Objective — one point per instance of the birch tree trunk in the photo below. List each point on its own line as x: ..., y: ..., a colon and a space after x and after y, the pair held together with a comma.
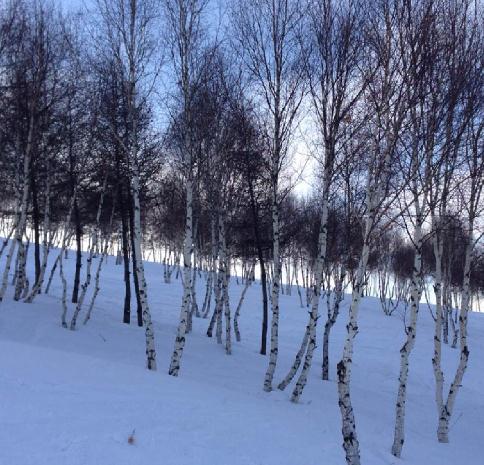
x: 445, y: 309
x: 248, y: 282
x: 19, y: 232
x: 208, y: 295
x: 296, y: 278
x: 64, y: 291
x: 187, y: 281
x: 215, y: 275
x: 21, y: 272
x: 316, y: 293
x: 139, y: 270
x: 6, y: 240
x: 36, y: 289
x: 97, y: 287
x: 65, y: 240
x: 139, y: 306
x: 213, y: 319
x: 195, y: 309
x: 411, y: 330
x: 223, y: 272
x: 90, y: 257
x: 274, y: 350
x: 332, y: 317
x: 297, y: 361
x: 119, y: 257
x: 446, y: 409
x: 99, y: 268
x: 221, y: 297
x: 51, y: 275
x: 350, y: 439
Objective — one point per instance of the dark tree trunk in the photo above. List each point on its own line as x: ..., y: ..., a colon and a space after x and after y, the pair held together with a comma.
x: 263, y: 276
x: 139, y: 308
x: 77, y: 276
x: 125, y: 248
x: 36, y: 224
x: 263, y: 343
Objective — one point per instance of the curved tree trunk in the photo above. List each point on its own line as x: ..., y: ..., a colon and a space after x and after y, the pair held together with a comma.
x: 187, y: 282
x: 90, y: 257
x: 36, y: 289
x: 411, y: 330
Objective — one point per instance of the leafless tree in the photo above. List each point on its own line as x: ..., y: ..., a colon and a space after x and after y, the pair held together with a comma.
x: 268, y: 34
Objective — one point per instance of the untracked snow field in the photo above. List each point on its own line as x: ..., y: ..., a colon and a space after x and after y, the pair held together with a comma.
x: 75, y: 397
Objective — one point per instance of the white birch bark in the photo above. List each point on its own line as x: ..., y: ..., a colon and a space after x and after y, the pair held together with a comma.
x: 248, y: 282
x: 213, y: 319
x: 26, y: 287
x: 436, y: 359
x: 446, y: 409
x: 7, y: 239
x: 297, y: 361
x: 350, y: 439
x: 140, y: 272
x: 298, y: 287
x: 51, y: 275
x: 193, y: 301
x: 445, y: 310
x: 92, y: 251
x: 455, y: 331
x: 195, y: 309
x: 19, y: 232
x: 332, y: 317
x: 65, y: 240
x: 165, y: 275
x: 187, y: 280
x: 220, y: 307
x: 97, y: 286
x: 219, y: 295
x: 215, y: 276
x: 223, y: 272
x: 104, y: 254
x: 274, y: 350
x: 64, y: 291
x: 316, y: 293
x: 21, y: 272
x: 411, y: 330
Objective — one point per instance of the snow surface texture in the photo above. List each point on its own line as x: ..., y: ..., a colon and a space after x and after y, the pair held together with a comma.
x: 74, y: 398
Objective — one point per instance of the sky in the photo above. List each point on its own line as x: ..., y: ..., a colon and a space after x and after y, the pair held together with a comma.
x: 302, y: 164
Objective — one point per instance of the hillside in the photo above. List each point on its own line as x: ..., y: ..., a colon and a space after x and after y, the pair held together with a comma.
x: 74, y: 398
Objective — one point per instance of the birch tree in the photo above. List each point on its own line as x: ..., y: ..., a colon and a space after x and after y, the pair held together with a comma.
x: 471, y: 197
x: 97, y: 277
x: 267, y: 32
x: 33, y: 59
x: 385, y: 99
x: 335, y: 87
x: 462, y: 175
x: 185, y: 23
x: 90, y: 257
x: 46, y: 243
x: 127, y: 29
x: 417, y: 38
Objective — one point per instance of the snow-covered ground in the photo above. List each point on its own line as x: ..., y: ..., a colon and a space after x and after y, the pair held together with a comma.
x: 75, y: 397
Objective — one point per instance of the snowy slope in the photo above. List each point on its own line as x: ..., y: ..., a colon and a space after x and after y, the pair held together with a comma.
x: 75, y: 397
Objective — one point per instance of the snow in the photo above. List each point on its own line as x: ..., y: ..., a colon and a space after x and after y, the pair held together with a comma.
x: 74, y: 398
